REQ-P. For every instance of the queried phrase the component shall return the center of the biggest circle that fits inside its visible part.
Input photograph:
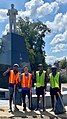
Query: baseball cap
(16, 65)
(40, 65)
(54, 67)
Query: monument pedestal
(14, 50)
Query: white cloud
(3, 14)
(38, 8)
(52, 59)
(6, 29)
(23, 14)
(33, 3)
(34, 9)
(59, 48)
(59, 38)
(31, 7)
(47, 8)
(59, 24)
(62, 1)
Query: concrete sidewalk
(4, 113)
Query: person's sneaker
(37, 109)
(16, 109)
(30, 108)
(51, 110)
(10, 110)
(24, 109)
(44, 109)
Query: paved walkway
(4, 113)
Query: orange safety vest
(13, 78)
(26, 81)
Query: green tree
(33, 32)
(63, 63)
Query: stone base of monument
(47, 101)
(64, 94)
(4, 93)
(13, 51)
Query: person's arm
(20, 77)
(60, 82)
(33, 78)
(8, 13)
(31, 84)
(45, 82)
(7, 72)
(47, 77)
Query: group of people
(26, 79)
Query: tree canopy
(34, 33)
(62, 63)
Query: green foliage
(64, 79)
(33, 32)
(62, 66)
(63, 63)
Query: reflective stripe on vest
(40, 80)
(26, 81)
(54, 81)
(13, 78)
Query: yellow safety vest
(40, 79)
(54, 81)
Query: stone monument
(12, 18)
(13, 47)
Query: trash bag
(17, 98)
(59, 107)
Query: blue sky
(52, 12)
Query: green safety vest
(54, 81)
(40, 79)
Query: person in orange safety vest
(26, 84)
(13, 82)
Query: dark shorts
(53, 91)
(11, 90)
(40, 91)
(25, 92)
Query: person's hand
(30, 90)
(33, 73)
(44, 91)
(4, 74)
(58, 93)
(8, 69)
(19, 73)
